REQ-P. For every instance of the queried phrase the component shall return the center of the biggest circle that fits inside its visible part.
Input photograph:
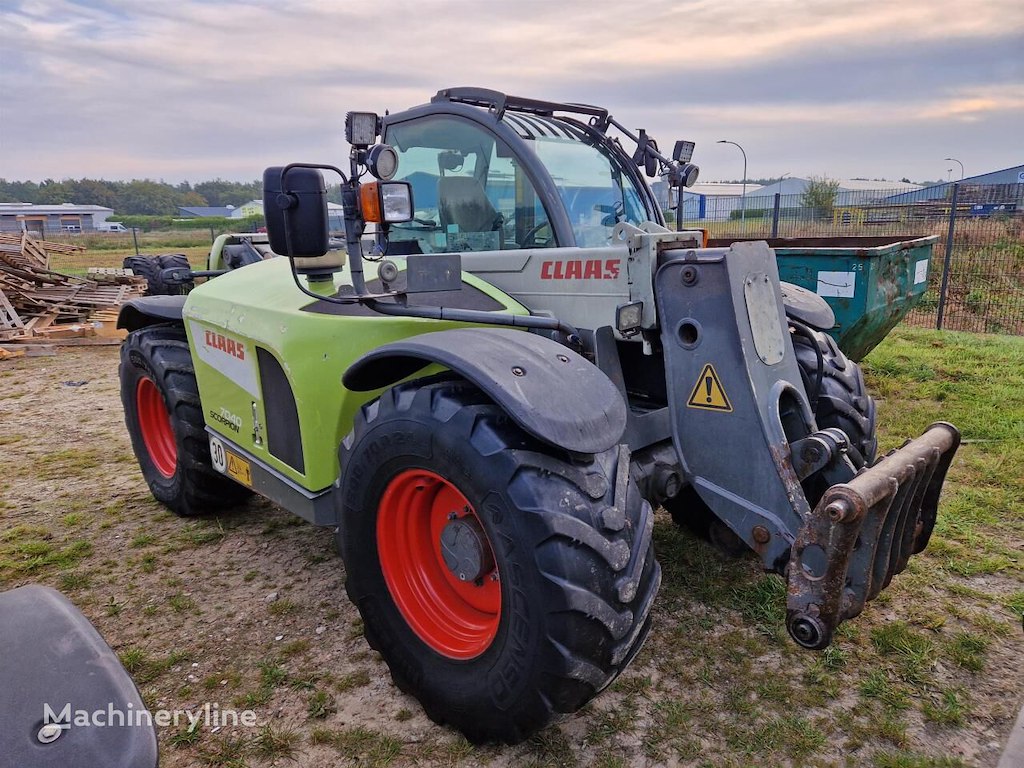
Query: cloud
(202, 89)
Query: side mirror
(295, 206)
(643, 157)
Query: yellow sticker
(238, 469)
(708, 392)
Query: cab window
(597, 194)
(469, 193)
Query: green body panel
(260, 306)
(871, 283)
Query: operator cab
(491, 179)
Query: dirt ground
(248, 610)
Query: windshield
(470, 192)
(596, 194)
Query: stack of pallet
(37, 303)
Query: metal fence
(977, 273)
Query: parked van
(111, 226)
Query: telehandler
(488, 404)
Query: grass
(145, 668)
(282, 607)
(228, 752)
(968, 650)
(359, 745)
(950, 708)
(910, 652)
(271, 744)
(353, 680)
(320, 704)
(31, 551)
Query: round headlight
(382, 161)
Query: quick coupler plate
(863, 532)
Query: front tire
(499, 579)
(164, 417)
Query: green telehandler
(487, 393)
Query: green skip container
(871, 283)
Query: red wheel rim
(458, 619)
(155, 425)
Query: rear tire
(567, 580)
(842, 399)
(165, 422)
(152, 267)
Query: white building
(41, 219)
(850, 192)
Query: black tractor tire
(164, 417)
(152, 267)
(841, 398)
(574, 564)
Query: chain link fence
(976, 278)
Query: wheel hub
(438, 566)
(465, 550)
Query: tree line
(136, 197)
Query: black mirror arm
(353, 232)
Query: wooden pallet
(9, 318)
(38, 303)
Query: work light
(361, 128)
(628, 318)
(382, 161)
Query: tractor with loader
(488, 404)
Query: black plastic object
(295, 206)
(546, 388)
(51, 654)
(807, 307)
(150, 310)
(284, 437)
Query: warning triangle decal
(708, 392)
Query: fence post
(136, 240)
(775, 215)
(949, 257)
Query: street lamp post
(958, 163)
(743, 199)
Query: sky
(202, 89)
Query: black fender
(150, 310)
(807, 307)
(53, 657)
(550, 391)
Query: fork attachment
(863, 532)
